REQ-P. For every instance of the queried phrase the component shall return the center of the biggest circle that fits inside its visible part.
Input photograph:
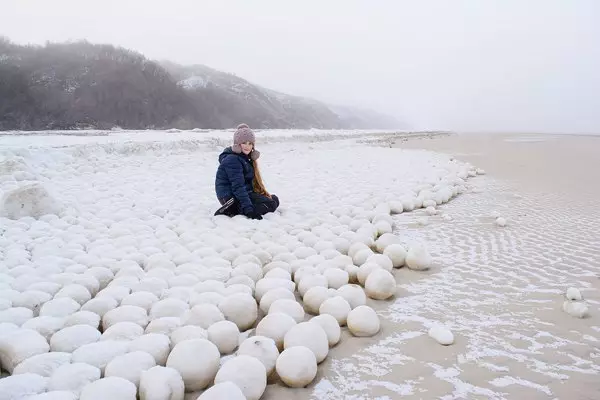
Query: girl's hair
(257, 182)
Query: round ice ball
(289, 307)
(314, 297)
(297, 366)
(225, 335)
(380, 285)
(363, 321)
(247, 372)
(311, 335)
(275, 326)
(273, 295)
(418, 258)
(240, 308)
(197, 361)
(331, 327)
(396, 253)
(336, 277)
(262, 348)
(337, 307)
(130, 366)
(365, 270)
(161, 383)
(221, 391)
(353, 294)
(112, 387)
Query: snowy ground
(136, 216)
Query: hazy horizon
(469, 65)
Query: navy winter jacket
(234, 178)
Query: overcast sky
(528, 65)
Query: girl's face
(247, 147)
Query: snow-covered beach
(136, 216)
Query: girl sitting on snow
(238, 183)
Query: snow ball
(130, 366)
(365, 270)
(102, 274)
(206, 298)
(155, 344)
(251, 270)
(386, 240)
(574, 294)
(441, 334)
(237, 288)
(156, 286)
(187, 332)
(352, 271)
(32, 299)
(314, 297)
(266, 284)
(429, 204)
(225, 335)
(337, 307)
(114, 388)
(45, 326)
(125, 314)
(418, 258)
(20, 386)
(79, 293)
(311, 335)
(164, 325)
(16, 315)
(203, 315)
(289, 307)
(274, 295)
(431, 210)
(383, 227)
(20, 344)
(60, 307)
(302, 269)
(380, 285)
(247, 258)
(83, 318)
(197, 361)
(363, 321)
(304, 252)
(100, 353)
(48, 287)
(71, 338)
(310, 281)
(384, 261)
(100, 305)
(224, 390)
(144, 300)
(117, 293)
(161, 383)
(5, 304)
(396, 253)
(247, 372)
(241, 309)
(576, 309)
(73, 377)
(353, 294)
(278, 273)
(123, 331)
(209, 286)
(331, 327)
(263, 349)
(362, 256)
(43, 364)
(241, 280)
(396, 207)
(336, 278)
(54, 395)
(297, 366)
(275, 326)
(168, 308)
(28, 200)
(500, 221)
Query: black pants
(262, 205)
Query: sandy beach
(500, 290)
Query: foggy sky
(526, 65)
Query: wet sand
(500, 290)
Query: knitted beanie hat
(244, 134)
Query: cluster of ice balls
(129, 306)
